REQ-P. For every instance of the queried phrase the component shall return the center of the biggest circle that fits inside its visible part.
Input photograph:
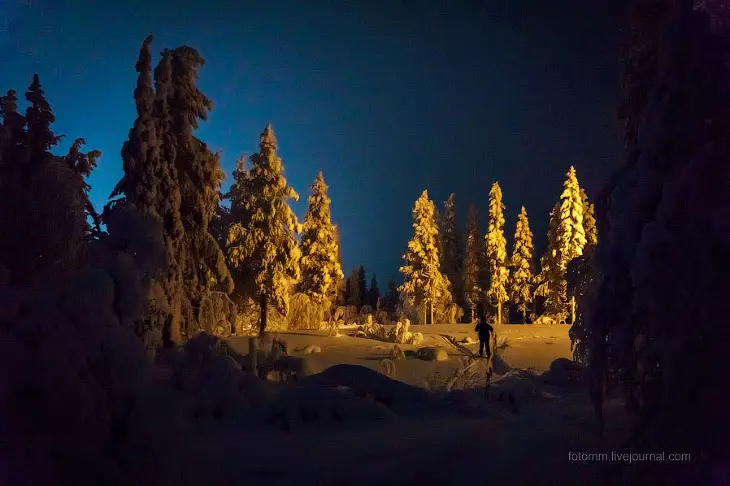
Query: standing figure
(485, 332)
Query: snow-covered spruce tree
(171, 175)
(521, 267)
(374, 293)
(70, 367)
(424, 284)
(391, 299)
(496, 253)
(664, 251)
(550, 283)
(570, 232)
(262, 248)
(589, 221)
(320, 264)
(362, 286)
(43, 198)
(352, 291)
(338, 297)
(452, 258)
(473, 292)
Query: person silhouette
(485, 332)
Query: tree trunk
(499, 313)
(430, 309)
(263, 304)
(425, 313)
(572, 310)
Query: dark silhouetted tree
(473, 259)
(664, 251)
(452, 257)
(374, 293)
(171, 175)
(391, 299)
(362, 285)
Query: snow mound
(297, 406)
(363, 382)
(309, 349)
(564, 372)
(467, 340)
(436, 353)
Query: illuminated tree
(496, 252)
(320, 264)
(424, 284)
(262, 248)
(521, 268)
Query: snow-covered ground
(474, 442)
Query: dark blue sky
(388, 98)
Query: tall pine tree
(171, 175)
(521, 266)
(424, 284)
(391, 299)
(570, 232)
(452, 258)
(320, 264)
(374, 293)
(496, 253)
(550, 283)
(589, 221)
(362, 286)
(262, 247)
(473, 290)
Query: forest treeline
(229, 267)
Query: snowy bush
(209, 372)
(502, 342)
(366, 310)
(218, 314)
(416, 339)
(371, 329)
(304, 313)
(545, 320)
(396, 353)
(386, 366)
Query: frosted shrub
(387, 367)
(396, 353)
(371, 329)
(416, 339)
(545, 320)
(304, 313)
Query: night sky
(387, 98)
